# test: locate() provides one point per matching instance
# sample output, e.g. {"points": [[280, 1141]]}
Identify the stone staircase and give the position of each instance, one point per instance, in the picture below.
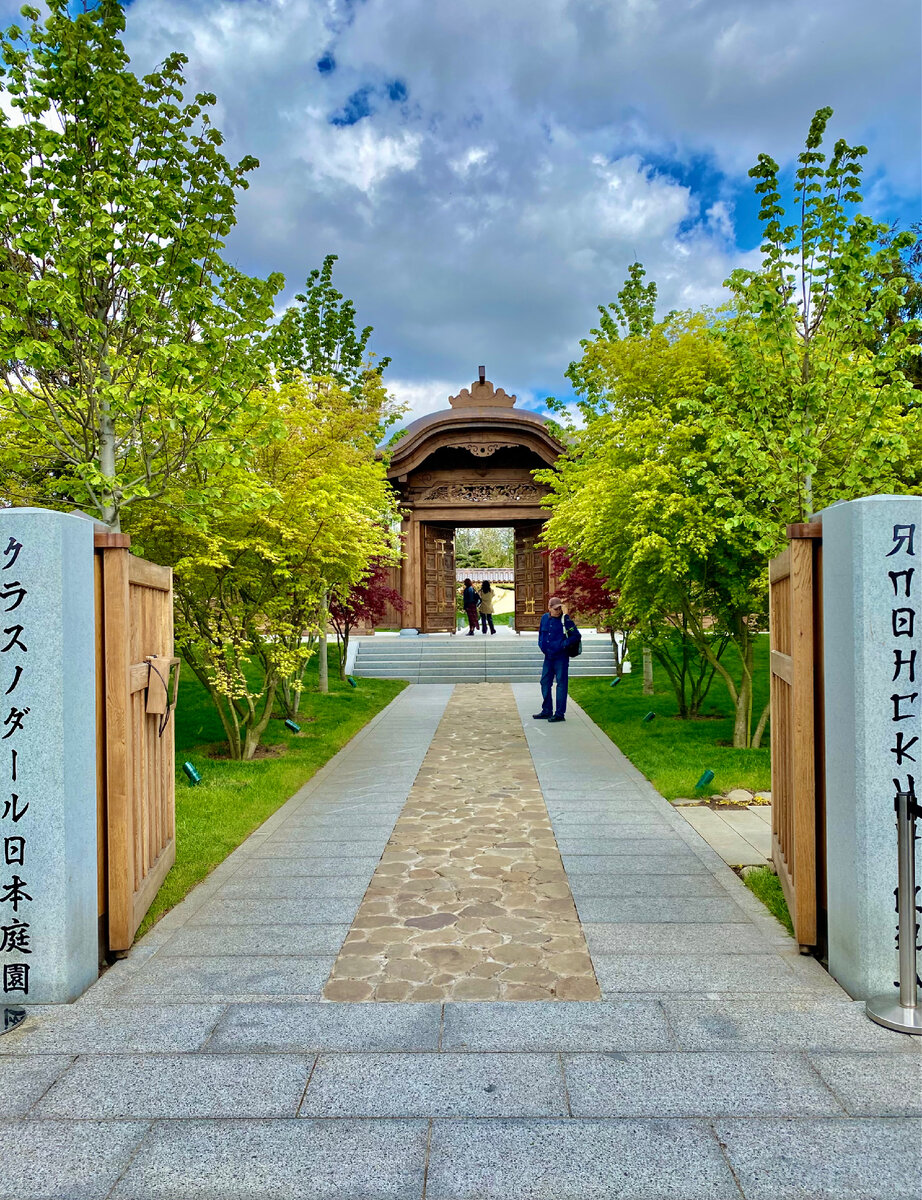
{"points": [[442, 658]]}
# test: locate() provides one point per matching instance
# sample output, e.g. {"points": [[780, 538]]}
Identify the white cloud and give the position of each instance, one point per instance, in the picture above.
{"points": [[482, 216]]}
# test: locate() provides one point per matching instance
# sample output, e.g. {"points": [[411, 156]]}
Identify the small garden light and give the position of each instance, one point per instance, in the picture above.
{"points": [[704, 780], [615, 681], [648, 717], [293, 726], [352, 682], [192, 774]]}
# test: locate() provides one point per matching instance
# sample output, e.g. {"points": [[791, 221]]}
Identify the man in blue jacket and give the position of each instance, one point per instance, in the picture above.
{"points": [[555, 635]]}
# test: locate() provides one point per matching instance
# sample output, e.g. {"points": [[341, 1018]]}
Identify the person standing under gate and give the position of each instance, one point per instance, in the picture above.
{"points": [[486, 606], [470, 600], [555, 636]]}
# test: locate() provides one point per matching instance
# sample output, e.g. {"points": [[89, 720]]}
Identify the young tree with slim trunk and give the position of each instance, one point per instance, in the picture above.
{"points": [[128, 345], [818, 402], [362, 603]]}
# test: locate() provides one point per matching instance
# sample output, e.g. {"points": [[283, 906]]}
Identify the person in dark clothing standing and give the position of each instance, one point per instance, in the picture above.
{"points": [[555, 636], [470, 599]]}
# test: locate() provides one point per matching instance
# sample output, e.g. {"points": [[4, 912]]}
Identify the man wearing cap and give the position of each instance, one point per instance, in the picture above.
{"points": [[555, 635]]}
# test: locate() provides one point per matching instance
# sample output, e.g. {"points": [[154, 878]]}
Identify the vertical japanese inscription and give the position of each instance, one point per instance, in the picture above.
{"points": [[904, 590], [17, 814]]}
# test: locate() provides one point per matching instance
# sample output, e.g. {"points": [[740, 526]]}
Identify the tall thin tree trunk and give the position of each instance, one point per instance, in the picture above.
{"points": [[647, 671], [323, 669]]}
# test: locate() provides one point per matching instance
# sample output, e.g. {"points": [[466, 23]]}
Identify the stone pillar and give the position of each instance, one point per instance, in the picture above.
{"points": [[872, 633], [48, 889]]}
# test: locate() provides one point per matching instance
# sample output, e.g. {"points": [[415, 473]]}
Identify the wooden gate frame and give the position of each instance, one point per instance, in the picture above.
{"points": [[128, 881], [797, 730]]}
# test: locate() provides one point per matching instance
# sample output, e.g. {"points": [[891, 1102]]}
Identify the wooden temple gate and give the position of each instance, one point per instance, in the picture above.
{"points": [[135, 743], [798, 763], [470, 465]]}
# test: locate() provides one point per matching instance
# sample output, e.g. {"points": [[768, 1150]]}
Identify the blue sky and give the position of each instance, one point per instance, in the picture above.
{"points": [[487, 170]]}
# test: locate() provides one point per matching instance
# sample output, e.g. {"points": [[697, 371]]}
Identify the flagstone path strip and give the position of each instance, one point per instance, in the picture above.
{"points": [[470, 900]]}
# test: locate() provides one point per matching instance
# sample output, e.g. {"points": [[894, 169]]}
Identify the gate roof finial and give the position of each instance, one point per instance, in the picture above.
{"points": [[482, 394]]}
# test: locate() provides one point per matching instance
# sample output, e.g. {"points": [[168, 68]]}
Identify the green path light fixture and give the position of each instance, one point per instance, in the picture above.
{"points": [[649, 717], [293, 726], [704, 780], [192, 774], [352, 682], [615, 681]]}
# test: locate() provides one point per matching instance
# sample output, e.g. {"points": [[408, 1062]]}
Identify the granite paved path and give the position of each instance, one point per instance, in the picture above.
{"points": [[718, 1064]]}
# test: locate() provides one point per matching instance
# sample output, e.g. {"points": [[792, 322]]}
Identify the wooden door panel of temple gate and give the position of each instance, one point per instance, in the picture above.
{"points": [[439, 615], [530, 576]]}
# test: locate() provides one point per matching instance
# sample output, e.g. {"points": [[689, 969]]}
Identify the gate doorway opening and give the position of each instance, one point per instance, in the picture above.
{"points": [[447, 558], [488, 553]]}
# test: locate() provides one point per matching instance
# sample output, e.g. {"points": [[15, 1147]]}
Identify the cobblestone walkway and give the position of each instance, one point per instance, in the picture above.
{"points": [[470, 900]]}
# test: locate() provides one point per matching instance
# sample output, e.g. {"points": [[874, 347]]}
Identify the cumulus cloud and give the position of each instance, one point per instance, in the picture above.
{"points": [[486, 171]]}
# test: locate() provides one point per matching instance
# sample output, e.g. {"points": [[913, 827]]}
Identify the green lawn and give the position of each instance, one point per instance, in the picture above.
{"points": [[672, 753], [234, 798]]}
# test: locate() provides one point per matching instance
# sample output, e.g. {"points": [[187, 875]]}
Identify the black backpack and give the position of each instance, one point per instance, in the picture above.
{"points": [[574, 643]]}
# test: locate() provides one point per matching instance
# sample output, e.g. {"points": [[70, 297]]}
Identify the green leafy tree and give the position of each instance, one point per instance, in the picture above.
{"points": [[128, 345], [818, 404], [318, 335], [313, 509]]}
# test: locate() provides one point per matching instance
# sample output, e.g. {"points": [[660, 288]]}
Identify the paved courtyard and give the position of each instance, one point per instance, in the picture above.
{"points": [[223, 1060]]}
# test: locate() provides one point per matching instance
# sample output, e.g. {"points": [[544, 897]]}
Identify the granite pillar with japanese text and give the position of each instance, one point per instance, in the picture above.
{"points": [[872, 634], [48, 886]]}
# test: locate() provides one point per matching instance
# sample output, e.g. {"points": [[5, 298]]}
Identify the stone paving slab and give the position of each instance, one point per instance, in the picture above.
{"points": [[145, 1028], [65, 1160], [436, 1085], [321, 1026], [243, 910], [278, 1160], [624, 1084], [672, 939], [845, 1159], [874, 1085], [588, 1026], [577, 1160], [209, 941], [680, 863], [701, 972], [23, 1081], [178, 1085], [776, 1022], [228, 976], [678, 910]]}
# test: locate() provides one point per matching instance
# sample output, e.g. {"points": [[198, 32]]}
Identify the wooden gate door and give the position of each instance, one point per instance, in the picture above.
{"points": [[439, 612], [135, 744], [798, 809], [530, 576]]}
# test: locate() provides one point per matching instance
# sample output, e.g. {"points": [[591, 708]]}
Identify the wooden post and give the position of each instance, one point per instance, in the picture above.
{"points": [[323, 668], [116, 642]]}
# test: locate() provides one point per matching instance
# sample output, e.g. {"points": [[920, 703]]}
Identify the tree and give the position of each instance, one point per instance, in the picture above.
{"points": [[313, 507], [818, 403], [362, 603], [630, 498], [128, 345], [588, 594], [318, 336]]}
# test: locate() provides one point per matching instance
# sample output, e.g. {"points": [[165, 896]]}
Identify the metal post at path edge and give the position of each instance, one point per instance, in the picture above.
{"points": [[903, 1013]]}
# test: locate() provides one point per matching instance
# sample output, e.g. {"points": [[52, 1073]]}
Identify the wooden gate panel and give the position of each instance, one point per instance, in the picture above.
{"points": [[439, 612], [797, 729], [531, 593], [135, 621]]}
